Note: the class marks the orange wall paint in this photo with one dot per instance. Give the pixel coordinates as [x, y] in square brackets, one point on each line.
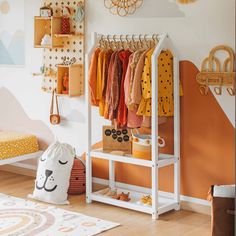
[207, 145]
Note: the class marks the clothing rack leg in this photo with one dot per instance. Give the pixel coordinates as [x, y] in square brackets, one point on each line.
[88, 178]
[89, 175]
[111, 174]
[176, 133]
[155, 158]
[154, 192]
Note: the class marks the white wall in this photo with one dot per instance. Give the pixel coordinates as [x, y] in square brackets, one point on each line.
[194, 29]
[201, 26]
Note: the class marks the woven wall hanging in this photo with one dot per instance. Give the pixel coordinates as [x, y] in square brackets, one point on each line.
[123, 7]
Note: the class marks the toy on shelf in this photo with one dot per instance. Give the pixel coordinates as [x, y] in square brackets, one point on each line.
[145, 200]
[65, 83]
[123, 197]
[46, 11]
[109, 192]
[46, 40]
[215, 73]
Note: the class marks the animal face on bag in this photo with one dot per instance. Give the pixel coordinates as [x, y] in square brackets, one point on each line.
[53, 174]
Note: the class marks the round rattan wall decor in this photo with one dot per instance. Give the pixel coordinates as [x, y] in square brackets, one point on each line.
[123, 7]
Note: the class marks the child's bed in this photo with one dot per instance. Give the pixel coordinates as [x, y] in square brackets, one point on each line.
[16, 147]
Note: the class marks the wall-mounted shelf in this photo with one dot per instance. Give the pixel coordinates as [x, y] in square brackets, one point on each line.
[50, 26]
[75, 74]
[214, 72]
[68, 35]
[69, 46]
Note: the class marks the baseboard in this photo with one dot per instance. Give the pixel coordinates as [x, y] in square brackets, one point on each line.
[187, 203]
[19, 169]
[196, 207]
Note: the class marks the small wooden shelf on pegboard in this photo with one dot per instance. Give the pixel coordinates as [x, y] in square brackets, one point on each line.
[79, 35]
[50, 26]
[75, 80]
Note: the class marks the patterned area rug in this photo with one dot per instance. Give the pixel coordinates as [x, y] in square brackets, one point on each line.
[22, 217]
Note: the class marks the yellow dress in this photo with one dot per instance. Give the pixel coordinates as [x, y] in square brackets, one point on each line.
[165, 85]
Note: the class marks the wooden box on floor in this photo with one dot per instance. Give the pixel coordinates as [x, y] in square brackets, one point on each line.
[50, 26]
[75, 74]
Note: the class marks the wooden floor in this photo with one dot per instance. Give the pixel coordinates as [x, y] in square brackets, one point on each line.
[181, 223]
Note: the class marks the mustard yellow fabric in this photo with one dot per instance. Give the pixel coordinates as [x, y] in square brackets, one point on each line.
[165, 83]
[14, 144]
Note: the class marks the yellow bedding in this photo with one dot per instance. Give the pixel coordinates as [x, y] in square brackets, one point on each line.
[14, 144]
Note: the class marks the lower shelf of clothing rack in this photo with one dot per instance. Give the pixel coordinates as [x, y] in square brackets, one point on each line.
[165, 204]
[163, 159]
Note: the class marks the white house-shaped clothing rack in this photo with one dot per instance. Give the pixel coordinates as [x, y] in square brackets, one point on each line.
[161, 202]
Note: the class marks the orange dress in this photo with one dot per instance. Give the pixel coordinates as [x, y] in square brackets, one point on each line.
[93, 77]
[122, 108]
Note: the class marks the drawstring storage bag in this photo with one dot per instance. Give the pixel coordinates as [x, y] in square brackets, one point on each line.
[55, 119]
[79, 15]
[53, 174]
[142, 145]
[65, 21]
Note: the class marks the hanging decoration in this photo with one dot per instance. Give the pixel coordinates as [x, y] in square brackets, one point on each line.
[186, 1]
[123, 7]
[79, 15]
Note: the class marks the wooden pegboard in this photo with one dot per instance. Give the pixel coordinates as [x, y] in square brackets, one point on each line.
[73, 46]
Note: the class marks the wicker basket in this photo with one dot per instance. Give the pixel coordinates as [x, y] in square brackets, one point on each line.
[78, 178]
[142, 145]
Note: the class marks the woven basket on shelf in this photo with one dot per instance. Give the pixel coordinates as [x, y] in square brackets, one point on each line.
[78, 178]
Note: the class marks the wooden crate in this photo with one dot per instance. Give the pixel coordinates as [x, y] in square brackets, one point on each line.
[75, 74]
[50, 26]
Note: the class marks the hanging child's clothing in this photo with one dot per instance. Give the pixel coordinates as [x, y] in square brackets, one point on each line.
[136, 92]
[120, 84]
[122, 108]
[102, 72]
[137, 88]
[145, 104]
[133, 120]
[165, 85]
[93, 77]
[113, 87]
[99, 90]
